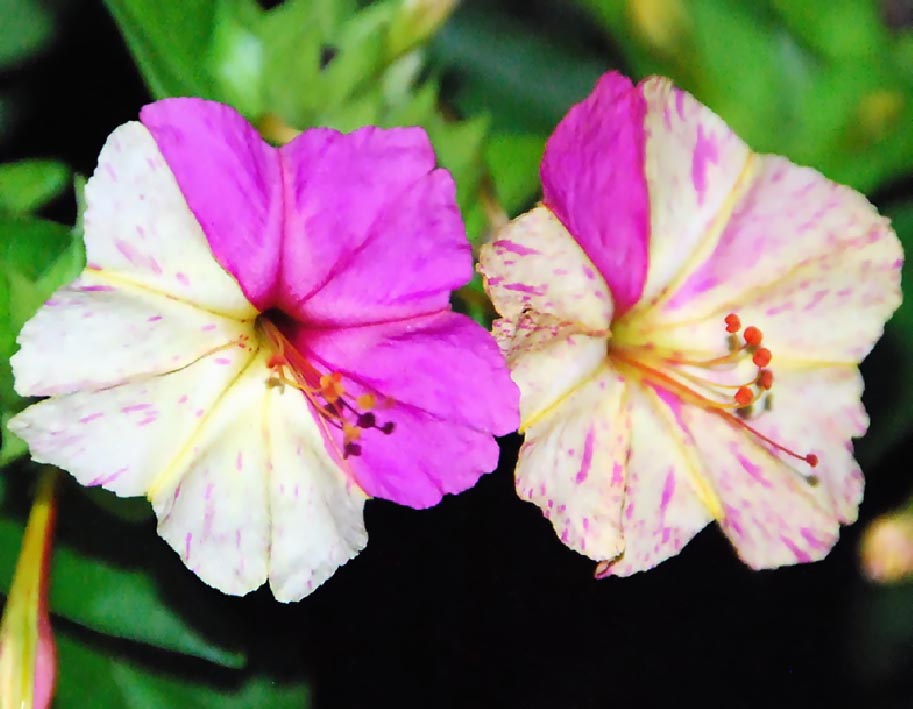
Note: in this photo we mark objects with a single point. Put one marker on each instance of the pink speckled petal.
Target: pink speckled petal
(693, 165)
(799, 254)
(139, 229)
(769, 511)
(122, 437)
(212, 500)
(665, 505)
(231, 181)
(441, 381)
(572, 465)
(98, 332)
(548, 361)
(593, 180)
(316, 511)
(373, 232)
(534, 264)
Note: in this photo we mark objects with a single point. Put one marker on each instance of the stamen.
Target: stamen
(674, 372)
(762, 357)
(325, 392)
(752, 336)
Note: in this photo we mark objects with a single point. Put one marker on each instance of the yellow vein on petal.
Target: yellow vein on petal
(173, 468)
(126, 282)
(706, 244)
(702, 487)
(548, 410)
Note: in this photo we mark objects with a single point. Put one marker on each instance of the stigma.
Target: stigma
(737, 385)
(325, 391)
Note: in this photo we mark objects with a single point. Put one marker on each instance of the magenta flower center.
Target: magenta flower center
(327, 392)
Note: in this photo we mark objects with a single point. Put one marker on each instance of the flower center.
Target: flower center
(326, 391)
(735, 386)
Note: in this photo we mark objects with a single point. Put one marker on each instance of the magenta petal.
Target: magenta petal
(372, 230)
(593, 180)
(442, 382)
(232, 183)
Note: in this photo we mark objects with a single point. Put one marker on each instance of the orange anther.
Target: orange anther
(743, 397)
(366, 402)
(276, 360)
(752, 336)
(762, 357)
(811, 459)
(766, 379)
(350, 432)
(733, 324)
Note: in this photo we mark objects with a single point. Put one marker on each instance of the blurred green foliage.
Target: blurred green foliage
(829, 85)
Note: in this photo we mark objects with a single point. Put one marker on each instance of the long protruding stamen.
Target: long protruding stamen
(671, 372)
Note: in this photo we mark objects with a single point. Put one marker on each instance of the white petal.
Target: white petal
(212, 499)
(316, 512)
(809, 262)
(95, 333)
(665, 502)
(548, 362)
(572, 466)
(695, 168)
(138, 228)
(123, 437)
(535, 264)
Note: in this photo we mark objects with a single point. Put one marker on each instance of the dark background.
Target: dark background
(476, 602)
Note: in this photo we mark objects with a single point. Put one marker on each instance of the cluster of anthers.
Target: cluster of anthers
(325, 392)
(734, 402)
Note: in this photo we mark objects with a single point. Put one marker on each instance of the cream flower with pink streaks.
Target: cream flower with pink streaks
(263, 338)
(684, 319)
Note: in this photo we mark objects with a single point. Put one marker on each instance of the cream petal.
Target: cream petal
(121, 438)
(774, 511)
(665, 502)
(548, 361)
(316, 512)
(572, 465)
(696, 168)
(536, 265)
(95, 333)
(212, 499)
(139, 229)
(809, 262)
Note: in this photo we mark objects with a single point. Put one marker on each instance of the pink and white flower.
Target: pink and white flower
(684, 318)
(263, 338)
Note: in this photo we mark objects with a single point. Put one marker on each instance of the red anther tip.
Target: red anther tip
(743, 397)
(752, 336)
(766, 379)
(733, 324)
(811, 459)
(276, 360)
(762, 357)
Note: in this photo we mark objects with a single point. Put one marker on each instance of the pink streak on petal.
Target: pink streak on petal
(705, 151)
(232, 182)
(593, 180)
(586, 459)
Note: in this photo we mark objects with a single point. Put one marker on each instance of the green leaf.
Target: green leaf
(122, 580)
(168, 40)
(92, 673)
(28, 25)
(513, 162)
(30, 184)
(236, 56)
(524, 77)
